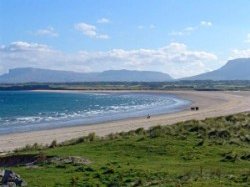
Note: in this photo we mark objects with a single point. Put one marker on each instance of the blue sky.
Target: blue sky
(178, 37)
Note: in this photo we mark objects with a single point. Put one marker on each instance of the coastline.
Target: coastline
(211, 103)
(76, 110)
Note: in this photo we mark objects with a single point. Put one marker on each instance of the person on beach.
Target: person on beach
(148, 116)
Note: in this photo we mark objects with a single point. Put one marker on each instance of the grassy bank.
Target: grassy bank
(202, 85)
(212, 152)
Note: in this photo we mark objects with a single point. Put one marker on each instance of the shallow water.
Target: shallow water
(26, 111)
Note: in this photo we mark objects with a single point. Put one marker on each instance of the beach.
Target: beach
(210, 103)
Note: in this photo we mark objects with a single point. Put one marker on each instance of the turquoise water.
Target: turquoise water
(26, 111)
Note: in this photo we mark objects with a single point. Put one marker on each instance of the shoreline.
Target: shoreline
(211, 103)
(176, 104)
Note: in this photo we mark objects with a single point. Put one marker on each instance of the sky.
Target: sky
(181, 38)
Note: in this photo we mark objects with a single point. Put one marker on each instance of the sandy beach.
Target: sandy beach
(211, 104)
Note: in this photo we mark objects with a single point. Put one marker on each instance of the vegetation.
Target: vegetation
(174, 85)
(211, 152)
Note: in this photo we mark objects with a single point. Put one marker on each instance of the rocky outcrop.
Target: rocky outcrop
(10, 179)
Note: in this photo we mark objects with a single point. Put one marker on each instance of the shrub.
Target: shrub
(29, 147)
(61, 166)
(139, 182)
(41, 157)
(198, 129)
(91, 136)
(37, 146)
(74, 180)
(109, 171)
(113, 136)
(122, 134)
(200, 142)
(84, 168)
(53, 144)
(223, 134)
(229, 157)
(79, 140)
(230, 118)
(245, 156)
(140, 131)
(156, 131)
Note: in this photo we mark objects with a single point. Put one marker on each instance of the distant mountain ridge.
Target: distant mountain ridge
(24, 75)
(237, 69)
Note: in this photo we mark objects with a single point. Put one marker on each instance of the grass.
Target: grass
(172, 85)
(212, 152)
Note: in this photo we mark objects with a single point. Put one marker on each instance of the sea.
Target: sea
(22, 111)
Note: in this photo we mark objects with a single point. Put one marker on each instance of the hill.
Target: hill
(211, 152)
(237, 69)
(24, 75)
(133, 76)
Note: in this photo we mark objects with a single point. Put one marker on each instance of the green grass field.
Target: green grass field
(212, 152)
(207, 85)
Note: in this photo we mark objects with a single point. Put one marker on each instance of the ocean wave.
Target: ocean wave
(119, 107)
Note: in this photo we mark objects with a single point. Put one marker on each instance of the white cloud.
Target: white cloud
(206, 23)
(49, 31)
(240, 53)
(90, 31)
(175, 59)
(189, 30)
(21, 46)
(103, 20)
(86, 29)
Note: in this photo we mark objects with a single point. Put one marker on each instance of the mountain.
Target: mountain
(127, 75)
(237, 69)
(23, 75)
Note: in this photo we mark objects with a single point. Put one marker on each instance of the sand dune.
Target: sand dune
(211, 104)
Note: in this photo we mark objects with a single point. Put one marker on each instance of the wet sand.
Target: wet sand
(211, 104)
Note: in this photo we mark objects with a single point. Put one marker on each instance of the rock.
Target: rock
(69, 160)
(10, 179)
